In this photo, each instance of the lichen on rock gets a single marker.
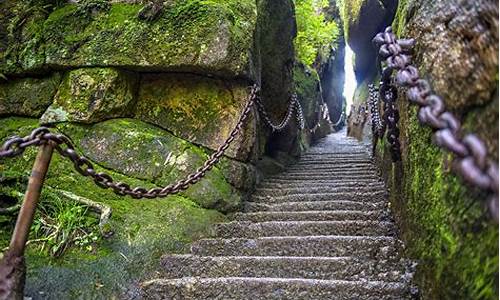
(191, 35)
(92, 95)
(197, 108)
(444, 221)
(28, 96)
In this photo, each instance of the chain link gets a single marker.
(373, 102)
(389, 94)
(471, 162)
(16, 146)
(293, 106)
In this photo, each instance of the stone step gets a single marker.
(304, 228)
(317, 190)
(331, 168)
(334, 196)
(351, 151)
(324, 268)
(315, 205)
(328, 174)
(380, 247)
(194, 288)
(323, 177)
(304, 176)
(320, 184)
(338, 161)
(333, 215)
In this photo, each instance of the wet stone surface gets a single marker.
(306, 233)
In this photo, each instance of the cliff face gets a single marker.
(444, 222)
(147, 93)
(333, 73)
(363, 19)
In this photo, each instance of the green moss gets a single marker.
(144, 230)
(191, 35)
(91, 95)
(399, 23)
(443, 221)
(349, 11)
(196, 108)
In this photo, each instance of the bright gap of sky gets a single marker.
(350, 79)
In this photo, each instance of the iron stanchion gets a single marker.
(12, 266)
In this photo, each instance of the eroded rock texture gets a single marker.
(444, 221)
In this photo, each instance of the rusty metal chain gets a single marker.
(389, 94)
(373, 102)
(293, 106)
(16, 146)
(299, 113)
(472, 161)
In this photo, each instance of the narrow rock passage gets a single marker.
(321, 230)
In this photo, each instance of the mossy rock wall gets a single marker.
(190, 35)
(197, 108)
(28, 96)
(143, 230)
(443, 221)
(363, 19)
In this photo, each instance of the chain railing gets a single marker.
(293, 106)
(471, 156)
(373, 102)
(12, 268)
(62, 144)
(389, 95)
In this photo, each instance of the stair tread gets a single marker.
(271, 288)
(325, 268)
(244, 229)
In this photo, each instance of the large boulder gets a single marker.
(275, 33)
(146, 152)
(197, 108)
(28, 96)
(92, 95)
(213, 37)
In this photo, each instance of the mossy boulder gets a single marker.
(146, 152)
(190, 35)
(199, 109)
(92, 95)
(28, 97)
(457, 47)
(143, 230)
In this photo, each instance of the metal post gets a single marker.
(12, 268)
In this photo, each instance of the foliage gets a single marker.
(349, 12)
(315, 35)
(62, 223)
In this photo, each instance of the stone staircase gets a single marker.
(321, 230)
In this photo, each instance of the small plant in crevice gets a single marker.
(61, 223)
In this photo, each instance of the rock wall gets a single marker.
(147, 93)
(444, 222)
(333, 74)
(363, 19)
